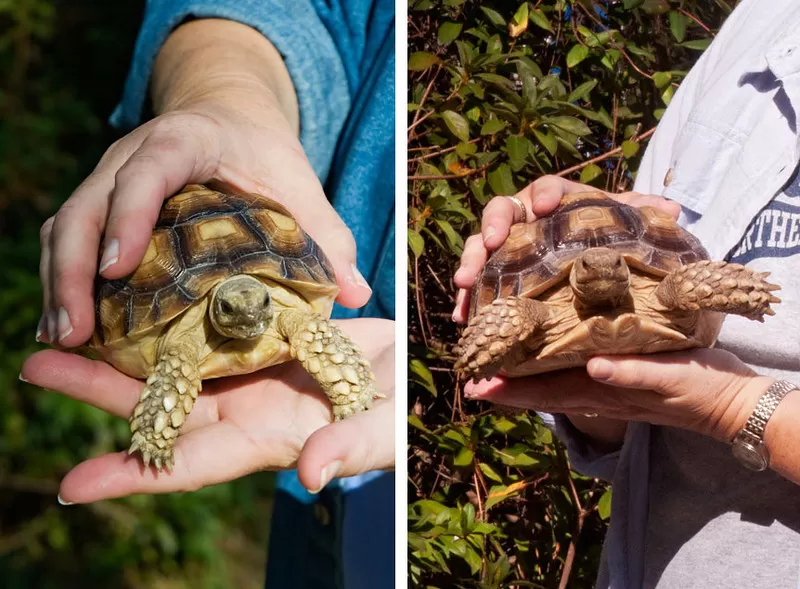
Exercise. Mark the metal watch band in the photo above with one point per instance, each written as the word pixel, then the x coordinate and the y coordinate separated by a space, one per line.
pixel 766 407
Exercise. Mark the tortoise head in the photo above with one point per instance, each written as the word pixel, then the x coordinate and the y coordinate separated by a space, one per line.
pixel 241 307
pixel 600 277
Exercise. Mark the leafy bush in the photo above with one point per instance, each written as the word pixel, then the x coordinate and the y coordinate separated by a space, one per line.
pixel 62 66
pixel 499 95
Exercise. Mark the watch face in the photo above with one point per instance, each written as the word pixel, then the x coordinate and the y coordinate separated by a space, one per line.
pixel 752 457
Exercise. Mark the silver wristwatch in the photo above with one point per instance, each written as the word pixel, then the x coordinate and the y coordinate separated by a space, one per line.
pixel 748 445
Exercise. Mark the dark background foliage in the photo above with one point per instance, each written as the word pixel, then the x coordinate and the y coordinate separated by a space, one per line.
pixel 62 65
pixel 501 93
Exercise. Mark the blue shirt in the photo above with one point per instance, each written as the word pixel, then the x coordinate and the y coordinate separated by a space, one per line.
pixel 340 55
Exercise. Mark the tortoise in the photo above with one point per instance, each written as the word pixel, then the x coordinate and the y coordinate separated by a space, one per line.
pixel 600 277
pixel 229 284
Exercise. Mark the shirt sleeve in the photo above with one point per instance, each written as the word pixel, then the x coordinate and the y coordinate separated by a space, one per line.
pixel 303 31
pixel 585 458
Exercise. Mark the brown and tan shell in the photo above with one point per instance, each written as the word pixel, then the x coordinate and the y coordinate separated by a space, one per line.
pixel 539 255
pixel 202 237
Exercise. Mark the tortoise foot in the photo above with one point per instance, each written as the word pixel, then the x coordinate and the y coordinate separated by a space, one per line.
pixel 166 400
pixel 719 286
pixel 495 331
pixel 332 358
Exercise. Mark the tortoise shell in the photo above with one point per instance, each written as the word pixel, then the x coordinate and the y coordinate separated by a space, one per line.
pixel 202 237
pixel 539 255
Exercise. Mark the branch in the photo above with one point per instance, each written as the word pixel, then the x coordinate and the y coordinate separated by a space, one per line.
pixel 602 157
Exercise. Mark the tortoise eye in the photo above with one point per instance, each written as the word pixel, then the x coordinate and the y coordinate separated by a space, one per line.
pixel 226 307
pixel 267 300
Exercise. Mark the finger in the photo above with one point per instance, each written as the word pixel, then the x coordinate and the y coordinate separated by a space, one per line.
pixel 202 457
pixel 497 218
pixel 669 373
pixel 546 192
pixel 90 381
pixel 473 258
pixel 100 385
pixel 358 444
pixel 43 329
pixel 165 162
pixel 568 391
pixel 74 243
pixel 636 199
pixel 461 311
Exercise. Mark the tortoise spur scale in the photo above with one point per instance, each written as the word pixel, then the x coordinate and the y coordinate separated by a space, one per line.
pixel 600 277
pixel 230 284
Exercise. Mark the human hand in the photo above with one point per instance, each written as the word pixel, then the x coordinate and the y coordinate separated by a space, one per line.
pixel 277 418
pixel 217 121
pixel 704 390
pixel 539 198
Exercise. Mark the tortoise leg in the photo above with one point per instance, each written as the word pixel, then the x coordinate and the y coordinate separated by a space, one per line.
pixel 166 400
pixel 332 358
pixel 495 332
pixel 718 286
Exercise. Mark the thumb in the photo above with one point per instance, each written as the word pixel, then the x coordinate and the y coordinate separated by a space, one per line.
pixel 355 445
pixel 337 242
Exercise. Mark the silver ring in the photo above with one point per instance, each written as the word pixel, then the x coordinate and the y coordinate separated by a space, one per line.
pixel 521 207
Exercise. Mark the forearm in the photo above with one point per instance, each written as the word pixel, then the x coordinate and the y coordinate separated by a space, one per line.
pixel 210 61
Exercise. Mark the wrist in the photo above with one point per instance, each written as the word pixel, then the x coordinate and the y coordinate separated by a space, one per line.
pixel 218 63
pixel 741 407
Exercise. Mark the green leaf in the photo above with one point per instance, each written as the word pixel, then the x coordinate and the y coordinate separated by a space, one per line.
pixel 494 17
pixel 490 472
pixel 576 55
pixel 677 25
pixel 629 148
pixel 519 22
pixel 501 181
pixel 416 422
pixel 422 60
pixel 454 240
pixel 569 124
pixel 662 79
pixel 464 457
pixel 422 375
pixel 547 140
pixel 590 172
pixel 604 505
pixel 493 126
pixel 457 124
pixel 700 44
pixel 448 31
pixel 517 148
pixel 540 20
pixel 582 91
pixel 416 242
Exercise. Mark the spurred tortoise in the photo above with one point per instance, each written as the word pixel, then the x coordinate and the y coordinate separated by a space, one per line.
pixel 229 284
pixel 600 277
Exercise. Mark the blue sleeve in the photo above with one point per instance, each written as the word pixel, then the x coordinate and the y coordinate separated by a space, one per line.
pixel 324 44
pixel 585 459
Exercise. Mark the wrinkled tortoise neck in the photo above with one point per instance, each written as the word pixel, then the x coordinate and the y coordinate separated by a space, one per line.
pixel 600 277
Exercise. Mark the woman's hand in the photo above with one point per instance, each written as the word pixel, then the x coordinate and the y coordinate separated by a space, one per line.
pixel 708 391
pixel 539 199
pixel 227 111
pixel 277 418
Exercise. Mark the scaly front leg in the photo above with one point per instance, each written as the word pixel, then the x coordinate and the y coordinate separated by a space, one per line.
pixel 718 286
pixel 331 357
pixel 166 400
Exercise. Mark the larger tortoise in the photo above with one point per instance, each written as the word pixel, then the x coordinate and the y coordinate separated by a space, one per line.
pixel 229 284
pixel 600 277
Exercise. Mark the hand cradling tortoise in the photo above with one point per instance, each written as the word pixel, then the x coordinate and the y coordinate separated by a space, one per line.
pixel 229 284
pixel 600 277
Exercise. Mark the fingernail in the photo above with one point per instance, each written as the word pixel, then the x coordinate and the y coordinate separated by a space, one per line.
pixel 490 231
pixel 41 327
pixel 459 302
pixel 22 378
pixel 359 278
pixel 64 325
pixel 458 273
pixel 52 325
pixel 110 255
pixel 327 474
pixel 601 369
pixel 62 502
